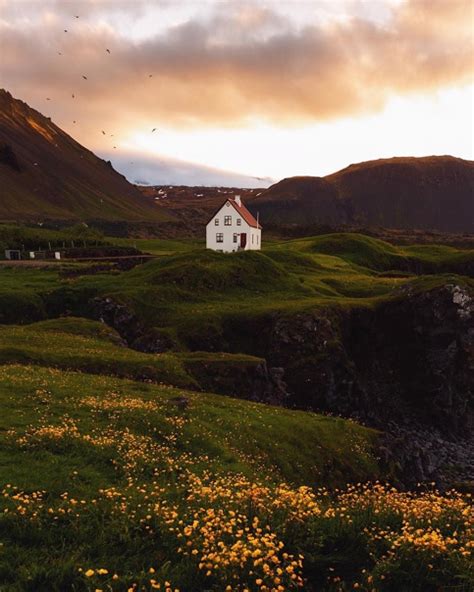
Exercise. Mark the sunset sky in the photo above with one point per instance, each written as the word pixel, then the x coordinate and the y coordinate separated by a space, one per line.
pixel 243 93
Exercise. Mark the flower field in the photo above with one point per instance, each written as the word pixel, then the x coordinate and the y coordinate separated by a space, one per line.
pixel 113 486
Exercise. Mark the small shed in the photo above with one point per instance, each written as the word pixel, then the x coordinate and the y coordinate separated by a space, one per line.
pixel 13 254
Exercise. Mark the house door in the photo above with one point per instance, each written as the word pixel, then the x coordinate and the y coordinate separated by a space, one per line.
pixel 243 240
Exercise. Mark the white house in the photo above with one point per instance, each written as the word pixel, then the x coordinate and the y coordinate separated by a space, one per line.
pixel 233 228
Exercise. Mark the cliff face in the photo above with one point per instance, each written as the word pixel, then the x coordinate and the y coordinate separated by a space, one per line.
pixel 432 193
pixel 409 360
pixel 406 367
pixel 44 173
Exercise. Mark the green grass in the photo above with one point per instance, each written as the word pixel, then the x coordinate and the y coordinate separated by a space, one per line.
pixel 160 246
pixel 236 435
pixel 203 283
pixel 21 292
pixel 152 446
pixel 92 347
pixel 193 292
pixel 102 469
pixel 189 293
pixel 377 255
pixel 14 236
pixel 105 476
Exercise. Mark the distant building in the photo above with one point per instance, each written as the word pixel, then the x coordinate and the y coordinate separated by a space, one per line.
pixel 233 228
pixel 12 254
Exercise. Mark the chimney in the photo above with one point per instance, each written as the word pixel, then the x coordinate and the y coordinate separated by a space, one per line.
pixel 237 200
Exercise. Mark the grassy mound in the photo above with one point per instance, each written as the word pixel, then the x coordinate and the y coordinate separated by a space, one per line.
pixel 92 347
pixel 74 326
pixel 53 347
pixel 207 271
pixel 201 287
pixel 378 255
pixel 21 293
pixel 359 250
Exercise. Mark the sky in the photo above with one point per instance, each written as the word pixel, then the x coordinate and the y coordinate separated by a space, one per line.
pixel 245 92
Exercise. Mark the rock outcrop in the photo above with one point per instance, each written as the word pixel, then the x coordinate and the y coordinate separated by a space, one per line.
pixel 408 359
pixel 248 378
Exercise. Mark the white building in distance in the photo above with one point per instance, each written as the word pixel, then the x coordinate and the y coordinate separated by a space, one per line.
pixel 233 228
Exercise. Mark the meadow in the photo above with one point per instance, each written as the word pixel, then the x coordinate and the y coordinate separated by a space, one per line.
pixel 119 471
pixel 111 485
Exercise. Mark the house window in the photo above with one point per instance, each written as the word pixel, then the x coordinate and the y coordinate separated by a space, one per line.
pixel 216 221
pixel 252 238
pixel 239 222
pixel 220 237
pixel 227 220
pixel 235 237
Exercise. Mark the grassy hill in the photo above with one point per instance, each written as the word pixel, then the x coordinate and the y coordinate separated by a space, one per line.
pixel 45 174
pixel 190 291
pixel 433 193
pixel 196 289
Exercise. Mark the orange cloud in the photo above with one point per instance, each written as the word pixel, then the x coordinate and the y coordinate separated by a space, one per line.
pixel 237 66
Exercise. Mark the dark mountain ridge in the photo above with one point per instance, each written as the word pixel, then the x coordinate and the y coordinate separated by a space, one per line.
pixel 431 193
pixel 46 174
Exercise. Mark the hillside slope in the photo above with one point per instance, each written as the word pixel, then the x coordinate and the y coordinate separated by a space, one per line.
pixel 44 173
pixel 435 193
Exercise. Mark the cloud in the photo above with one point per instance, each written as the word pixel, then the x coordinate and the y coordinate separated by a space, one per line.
pixel 153 170
pixel 239 63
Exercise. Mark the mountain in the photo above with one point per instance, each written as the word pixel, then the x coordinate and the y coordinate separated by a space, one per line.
pixel 44 173
pixel 431 193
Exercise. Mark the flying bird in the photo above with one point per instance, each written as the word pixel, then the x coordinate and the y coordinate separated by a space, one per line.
pixel 59 53
pixel 150 75
pixel 153 130
pixel 65 30
pixel 107 50
pixel 73 96
pixel 77 17
pixel 74 121
pixel 103 132
pixel 48 99
pixel 85 77
pixel 115 147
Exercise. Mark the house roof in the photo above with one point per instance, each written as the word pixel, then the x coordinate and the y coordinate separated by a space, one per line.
pixel 246 215
pixel 242 210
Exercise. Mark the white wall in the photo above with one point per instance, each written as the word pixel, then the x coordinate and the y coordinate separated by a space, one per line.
pixel 228 231
pixel 254 240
